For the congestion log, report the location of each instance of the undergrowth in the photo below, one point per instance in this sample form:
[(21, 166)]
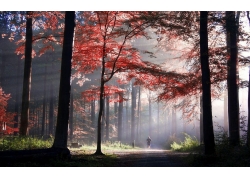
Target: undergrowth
[(24, 143), (189, 144)]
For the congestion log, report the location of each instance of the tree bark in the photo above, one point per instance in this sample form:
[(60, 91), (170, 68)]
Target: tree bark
[(248, 122), (61, 134), (233, 98), (44, 101), (71, 118), (27, 77), (120, 108), (51, 111), (133, 112), (201, 122), (107, 118), (206, 86)]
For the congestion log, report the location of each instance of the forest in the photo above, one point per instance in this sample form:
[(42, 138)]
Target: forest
[(97, 78)]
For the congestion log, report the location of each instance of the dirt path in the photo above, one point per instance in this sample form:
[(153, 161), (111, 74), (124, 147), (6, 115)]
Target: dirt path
[(151, 158)]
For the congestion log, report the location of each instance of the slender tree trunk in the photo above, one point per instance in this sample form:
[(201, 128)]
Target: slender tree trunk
[(226, 112), (158, 120), (93, 113), (103, 120), (107, 118), (133, 112), (201, 122), (27, 77), (173, 121), (248, 122), (51, 111), (98, 150), (61, 134), (116, 113), (139, 115), (120, 108), (233, 98), (206, 86), (17, 97), (44, 101), (71, 117), (127, 121), (150, 115)]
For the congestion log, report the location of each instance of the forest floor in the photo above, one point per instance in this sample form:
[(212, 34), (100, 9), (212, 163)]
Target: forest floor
[(144, 158)]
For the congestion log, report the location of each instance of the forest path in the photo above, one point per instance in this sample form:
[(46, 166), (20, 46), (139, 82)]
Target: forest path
[(151, 158)]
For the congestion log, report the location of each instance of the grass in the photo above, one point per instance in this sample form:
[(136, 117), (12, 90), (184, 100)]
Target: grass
[(24, 143), (189, 144), (81, 157), (225, 155)]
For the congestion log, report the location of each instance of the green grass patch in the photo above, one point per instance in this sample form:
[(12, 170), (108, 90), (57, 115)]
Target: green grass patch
[(24, 143), (189, 144)]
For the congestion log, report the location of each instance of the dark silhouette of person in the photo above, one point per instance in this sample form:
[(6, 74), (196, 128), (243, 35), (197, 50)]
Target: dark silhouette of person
[(148, 142)]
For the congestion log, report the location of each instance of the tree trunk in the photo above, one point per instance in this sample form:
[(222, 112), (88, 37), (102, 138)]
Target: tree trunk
[(133, 112), (173, 121), (120, 108), (226, 112), (158, 120), (233, 98), (201, 121), (206, 86), (51, 111), (44, 101), (93, 113), (248, 122), (61, 134), (139, 114), (107, 118), (150, 115), (71, 118), (103, 120), (17, 97), (27, 77)]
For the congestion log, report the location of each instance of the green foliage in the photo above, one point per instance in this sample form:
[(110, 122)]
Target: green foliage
[(188, 144), (21, 143)]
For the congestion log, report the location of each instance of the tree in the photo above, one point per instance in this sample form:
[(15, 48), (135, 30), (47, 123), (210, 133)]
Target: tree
[(233, 98), (107, 38), (120, 119), (27, 77), (61, 133), (133, 113), (6, 118), (248, 120), (206, 86)]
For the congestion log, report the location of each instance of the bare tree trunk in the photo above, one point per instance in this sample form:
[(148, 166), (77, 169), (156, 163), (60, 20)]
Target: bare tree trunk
[(201, 122), (44, 101), (248, 122), (120, 108), (27, 77), (107, 118), (233, 98), (133, 112), (61, 134), (17, 96), (173, 121), (206, 86), (71, 110), (150, 115), (103, 120), (51, 111), (139, 115), (226, 112)]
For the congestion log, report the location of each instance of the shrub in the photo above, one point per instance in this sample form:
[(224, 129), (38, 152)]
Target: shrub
[(188, 144)]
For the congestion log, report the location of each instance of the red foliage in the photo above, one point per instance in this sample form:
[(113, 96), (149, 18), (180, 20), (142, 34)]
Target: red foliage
[(5, 117), (93, 93)]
